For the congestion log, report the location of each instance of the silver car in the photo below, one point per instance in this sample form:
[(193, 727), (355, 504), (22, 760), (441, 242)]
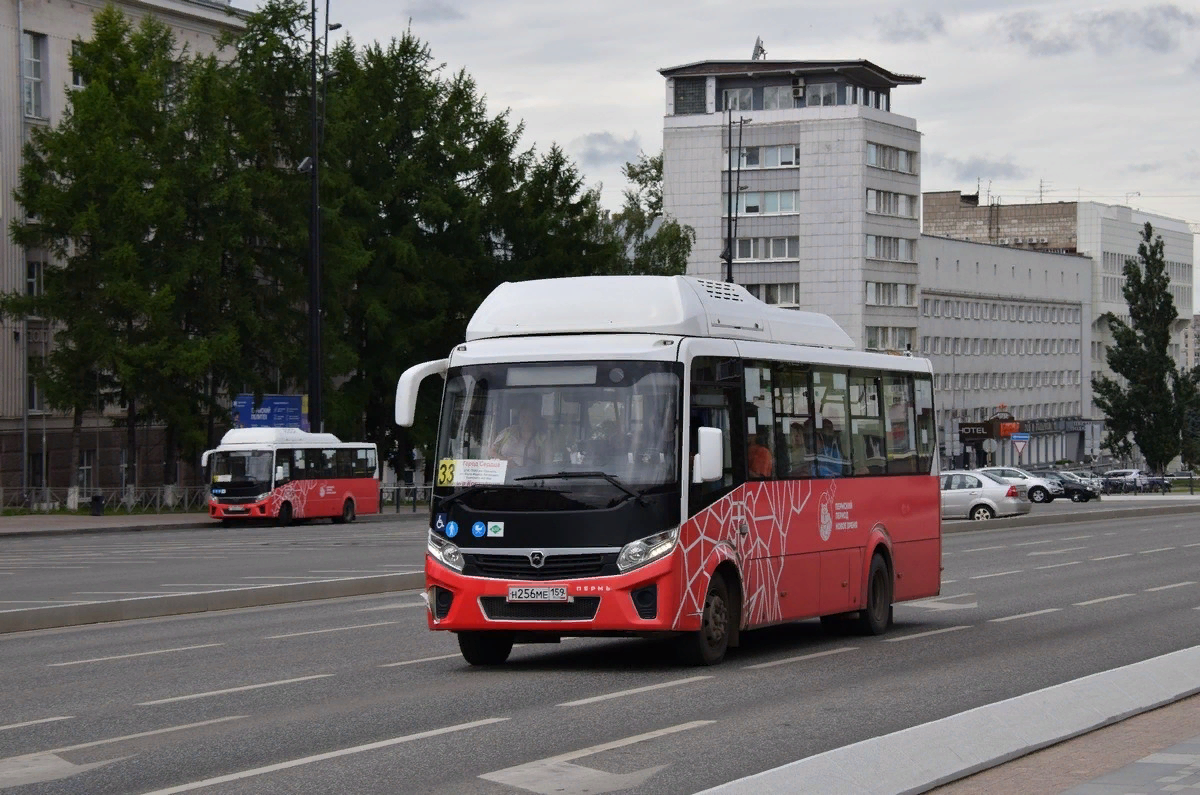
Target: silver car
[(980, 496), (1040, 490)]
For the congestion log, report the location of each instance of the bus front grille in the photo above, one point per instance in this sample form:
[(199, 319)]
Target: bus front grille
[(582, 608), (555, 567)]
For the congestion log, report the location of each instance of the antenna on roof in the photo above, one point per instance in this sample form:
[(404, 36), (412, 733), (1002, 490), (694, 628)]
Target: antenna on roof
[(759, 53)]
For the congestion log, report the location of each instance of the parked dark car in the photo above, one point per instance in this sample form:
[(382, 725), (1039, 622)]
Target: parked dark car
[(1074, 488)]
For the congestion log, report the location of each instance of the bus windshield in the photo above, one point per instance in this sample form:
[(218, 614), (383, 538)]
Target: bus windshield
[(243, 468), (551, 424)]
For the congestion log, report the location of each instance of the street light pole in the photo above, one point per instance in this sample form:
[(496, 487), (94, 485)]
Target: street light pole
[(314, 254)]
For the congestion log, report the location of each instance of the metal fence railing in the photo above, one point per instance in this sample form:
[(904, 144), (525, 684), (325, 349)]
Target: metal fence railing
[(145, 499), (403, 496)]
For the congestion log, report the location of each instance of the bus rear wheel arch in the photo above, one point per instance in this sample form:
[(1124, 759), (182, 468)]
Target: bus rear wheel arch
[(876, 615), (347, 512)]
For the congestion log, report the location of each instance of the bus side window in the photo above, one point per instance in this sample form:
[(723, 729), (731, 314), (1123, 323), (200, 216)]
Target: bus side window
[(716, 403), (283, 467), (372, 463), (299, 469), (760, 422), (866, 425), (328, 464), (345, 463), (926, 432)]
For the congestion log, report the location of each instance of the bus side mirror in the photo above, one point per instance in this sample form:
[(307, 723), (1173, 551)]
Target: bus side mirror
[(409, 383), (708, 463)]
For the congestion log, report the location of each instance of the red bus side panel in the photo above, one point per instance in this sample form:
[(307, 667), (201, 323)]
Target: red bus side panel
[(802, 545)]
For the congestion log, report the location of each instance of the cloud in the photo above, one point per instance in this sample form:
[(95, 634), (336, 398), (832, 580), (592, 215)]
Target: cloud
[(1145, 168), (899, 28), (606, 149), (976, 167), (434, 11), (1155, 29), (1195, 67)]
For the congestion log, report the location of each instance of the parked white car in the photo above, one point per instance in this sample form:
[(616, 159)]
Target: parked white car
[(1040, 490), (980, 496)]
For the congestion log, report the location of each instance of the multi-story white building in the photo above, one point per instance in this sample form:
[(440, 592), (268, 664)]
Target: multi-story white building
[(36, 40), (1008, 332), (827, 186), (1108, 234)]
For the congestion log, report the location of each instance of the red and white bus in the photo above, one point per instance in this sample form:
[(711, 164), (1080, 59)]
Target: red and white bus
[(636, 455), (286, 473)]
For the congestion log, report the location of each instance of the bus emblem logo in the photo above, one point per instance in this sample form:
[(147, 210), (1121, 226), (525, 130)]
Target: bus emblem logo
[(537, 559)]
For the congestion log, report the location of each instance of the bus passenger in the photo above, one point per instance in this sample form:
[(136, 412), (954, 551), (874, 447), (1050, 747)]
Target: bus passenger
[(829, 451), (759, 456), (799, 444)]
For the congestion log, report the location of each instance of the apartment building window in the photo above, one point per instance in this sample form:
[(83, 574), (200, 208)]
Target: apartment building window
[(937, 307), (896, 249), (33, 73), (820, 94), (890, 338), (937, 344), (754, 157), (891, 158), (764, 202), (781, 294), (890, 294), (924, 344), (691, 96), (35, 272), (777, 97), (77, 80), (738, 99), (750, 248), (900, 205), (925, 307)]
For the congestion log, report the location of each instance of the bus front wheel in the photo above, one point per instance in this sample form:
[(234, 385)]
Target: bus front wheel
[(347, 513), (707, 645), (876, 617), (485, 648), (285, 515)]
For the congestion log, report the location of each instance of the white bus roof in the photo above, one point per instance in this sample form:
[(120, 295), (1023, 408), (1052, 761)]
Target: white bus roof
[(270, 436), (676, 305)]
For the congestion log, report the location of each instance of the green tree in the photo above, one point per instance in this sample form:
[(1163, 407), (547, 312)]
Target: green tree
[(1150, 397), (655, 244)]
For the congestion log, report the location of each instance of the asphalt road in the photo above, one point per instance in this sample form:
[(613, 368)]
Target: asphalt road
[(310, 698), (65, 569)]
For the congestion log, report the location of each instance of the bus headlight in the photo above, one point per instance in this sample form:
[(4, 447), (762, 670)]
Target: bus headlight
[(445, 552), (646, 550), (262, 496)]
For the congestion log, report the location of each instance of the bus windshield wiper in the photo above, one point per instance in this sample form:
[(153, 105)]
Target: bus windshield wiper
[(566, 475)]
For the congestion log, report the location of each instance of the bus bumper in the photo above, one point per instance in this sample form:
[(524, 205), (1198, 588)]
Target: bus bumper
[(252, 510), (646, 599)]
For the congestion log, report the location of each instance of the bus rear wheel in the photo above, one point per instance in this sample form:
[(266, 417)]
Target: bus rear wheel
[(347, 513), (285, 515), (876, 617), (485, 648), (707, 645)]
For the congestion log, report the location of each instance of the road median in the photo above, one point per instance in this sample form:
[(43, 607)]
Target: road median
[(1037, 520), (71, 615)]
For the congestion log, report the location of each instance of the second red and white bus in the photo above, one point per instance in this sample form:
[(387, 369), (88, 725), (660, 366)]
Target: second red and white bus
[(285, 474), (645, 455)]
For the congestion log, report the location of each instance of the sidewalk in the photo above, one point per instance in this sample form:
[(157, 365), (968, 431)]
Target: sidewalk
[(65, 524), (1157, 751)]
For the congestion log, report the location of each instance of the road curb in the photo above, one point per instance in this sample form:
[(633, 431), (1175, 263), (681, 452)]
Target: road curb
[(203, 601), (208, 524), (1033, 520), (961, 745)]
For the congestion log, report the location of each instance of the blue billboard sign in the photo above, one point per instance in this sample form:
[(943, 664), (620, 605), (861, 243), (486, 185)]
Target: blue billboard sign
[(275, 411)]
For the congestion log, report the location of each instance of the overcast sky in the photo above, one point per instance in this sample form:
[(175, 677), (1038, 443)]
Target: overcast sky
[(1083, 99)]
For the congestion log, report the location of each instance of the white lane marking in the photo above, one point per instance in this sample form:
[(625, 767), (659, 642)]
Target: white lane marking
[(290, 577), (1074, 538), (207, 585), (1114, 557), (119, 593), (1152, 551), (400, 606), (984, 549), (136, 654), (334, 629), (1191, 545), (633, 691), (1110, 534), (926, 634), (1055, 551), (1168, 587), (167, 730), (351, 571), (1102, 599), (609, 746), (422, 660), (241, 689), (35, 722), (939, 603), (1025, 615), (1059, 565), (801, 657), (357, 749), (1036, 543), (997, 574)]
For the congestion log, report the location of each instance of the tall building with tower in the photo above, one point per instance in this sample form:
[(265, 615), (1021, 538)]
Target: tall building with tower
[(825, 179)]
